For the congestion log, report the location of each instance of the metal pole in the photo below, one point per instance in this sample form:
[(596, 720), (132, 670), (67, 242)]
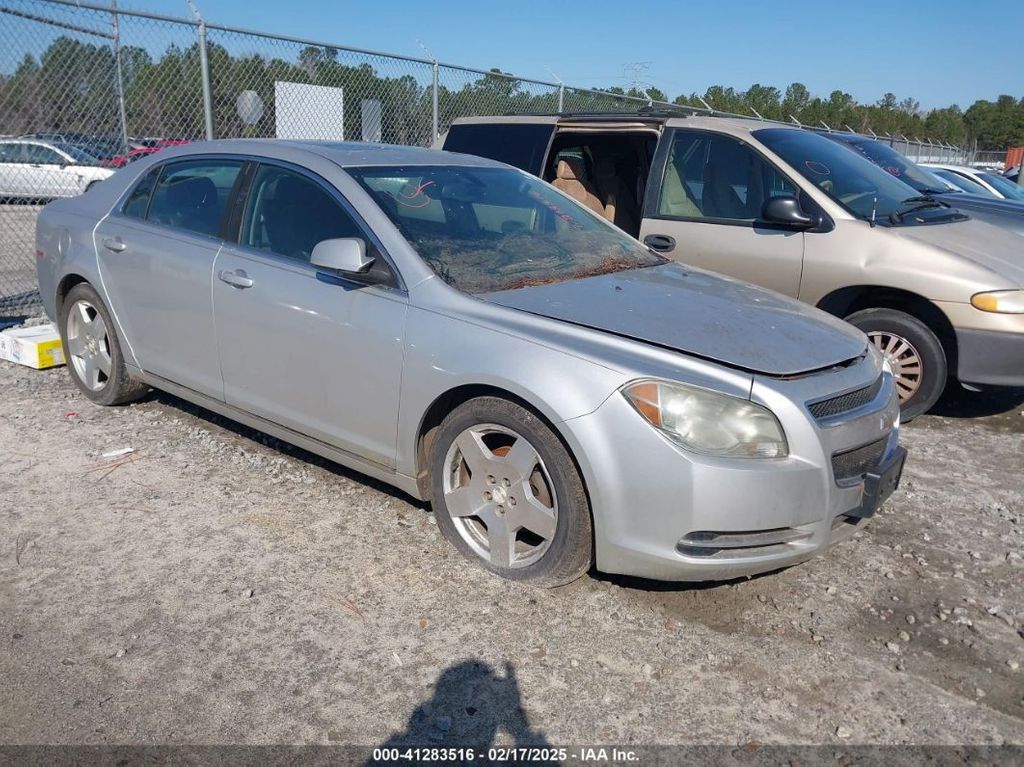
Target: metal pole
[(120, 80), (204, 67), (436, 116), (561, 98)]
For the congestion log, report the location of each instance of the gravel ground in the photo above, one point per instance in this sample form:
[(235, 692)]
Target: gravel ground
[(216, 586)]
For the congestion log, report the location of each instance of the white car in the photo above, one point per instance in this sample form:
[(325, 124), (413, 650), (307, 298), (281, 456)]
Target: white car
[(992, 182), (32, 169)]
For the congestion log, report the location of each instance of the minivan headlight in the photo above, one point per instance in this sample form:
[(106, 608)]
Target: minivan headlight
[(708, 422), (1001, 301)]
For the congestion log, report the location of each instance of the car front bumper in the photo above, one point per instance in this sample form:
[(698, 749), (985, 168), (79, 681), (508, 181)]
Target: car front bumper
[(990, 358), (666, 513)]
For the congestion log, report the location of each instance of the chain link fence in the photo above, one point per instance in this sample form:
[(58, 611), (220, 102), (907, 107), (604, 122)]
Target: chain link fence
[(119, 84)]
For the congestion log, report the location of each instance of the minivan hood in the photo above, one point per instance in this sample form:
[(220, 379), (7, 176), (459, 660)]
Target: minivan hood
[(994, 247), (699, 313)]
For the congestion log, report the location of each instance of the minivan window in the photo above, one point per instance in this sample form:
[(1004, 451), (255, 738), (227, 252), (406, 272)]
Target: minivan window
[(858, 185), (137, 202), (192, 194), (710, 176), (518, 144), (491, 229), (288, 213)]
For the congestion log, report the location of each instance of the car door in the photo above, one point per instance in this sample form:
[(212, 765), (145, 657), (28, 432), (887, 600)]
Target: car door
[(10, 169), (48, 174), (156, 255), (309, 350), (703, 207)]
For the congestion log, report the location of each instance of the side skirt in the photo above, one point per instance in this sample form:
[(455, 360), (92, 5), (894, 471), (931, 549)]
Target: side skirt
[(378, 471)]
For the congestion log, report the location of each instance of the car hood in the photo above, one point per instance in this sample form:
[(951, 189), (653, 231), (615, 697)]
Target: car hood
[(699, 313), (975, 202), (994, 247)]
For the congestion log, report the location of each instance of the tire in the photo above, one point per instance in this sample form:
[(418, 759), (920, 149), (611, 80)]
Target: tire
[(530, 524), (915, 353), (93, 351)]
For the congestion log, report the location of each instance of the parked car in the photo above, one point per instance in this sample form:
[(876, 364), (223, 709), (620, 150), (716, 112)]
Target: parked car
[(985, 207), (141, 148), (963, 183), (940, 294), (1000, 186), (459, 329), (32, 169)]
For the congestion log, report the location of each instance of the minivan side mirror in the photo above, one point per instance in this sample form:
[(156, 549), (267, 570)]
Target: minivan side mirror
[(786, 210), (344, 254)]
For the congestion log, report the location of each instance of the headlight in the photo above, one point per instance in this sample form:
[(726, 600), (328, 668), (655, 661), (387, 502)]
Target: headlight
[(1001, 301), (708, 422)]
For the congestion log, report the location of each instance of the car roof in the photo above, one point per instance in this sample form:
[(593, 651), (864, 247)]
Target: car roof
[(347, 154), (654, 117)]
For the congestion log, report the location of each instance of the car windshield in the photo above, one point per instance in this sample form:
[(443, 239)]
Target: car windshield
[(77, 154), (489, 229), (892, 162), (962, 182), (1004, 186), (861, 187)]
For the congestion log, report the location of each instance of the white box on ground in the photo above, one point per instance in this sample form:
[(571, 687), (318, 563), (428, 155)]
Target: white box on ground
[(303, 111), (36, 347)]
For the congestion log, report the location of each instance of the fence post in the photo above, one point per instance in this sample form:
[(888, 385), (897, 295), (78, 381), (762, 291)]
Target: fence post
[(116, 28), (204, 66), (561, 97), (435, 116)]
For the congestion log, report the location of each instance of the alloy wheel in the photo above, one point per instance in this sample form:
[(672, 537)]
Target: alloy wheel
[(89, 345), (500, 496), (904, 360)]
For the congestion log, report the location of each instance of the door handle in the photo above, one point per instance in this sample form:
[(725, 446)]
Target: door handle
[(115, 244), (236, 279), (660, 242)]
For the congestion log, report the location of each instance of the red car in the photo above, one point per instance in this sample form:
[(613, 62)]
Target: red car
[(119, 161)]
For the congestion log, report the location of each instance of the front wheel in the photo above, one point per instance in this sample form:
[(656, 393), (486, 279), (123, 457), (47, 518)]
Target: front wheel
[(507, 494), (92, 350), (913, 351)]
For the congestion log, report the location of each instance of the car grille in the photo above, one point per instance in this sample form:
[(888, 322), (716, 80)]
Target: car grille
[(855, 463), (827, 408)]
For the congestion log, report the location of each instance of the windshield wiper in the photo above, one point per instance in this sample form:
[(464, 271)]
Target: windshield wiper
[(922, 201)]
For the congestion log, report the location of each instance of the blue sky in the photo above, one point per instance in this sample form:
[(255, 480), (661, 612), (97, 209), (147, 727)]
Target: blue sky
[(939, 52)]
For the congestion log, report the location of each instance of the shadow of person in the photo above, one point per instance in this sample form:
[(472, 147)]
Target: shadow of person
[(469, 707)]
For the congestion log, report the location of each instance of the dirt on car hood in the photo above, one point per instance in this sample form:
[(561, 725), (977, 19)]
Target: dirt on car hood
[(699, 313)]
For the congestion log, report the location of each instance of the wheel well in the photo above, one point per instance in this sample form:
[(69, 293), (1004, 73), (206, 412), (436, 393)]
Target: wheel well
[(69, 281), (845, 301), (450, 400)]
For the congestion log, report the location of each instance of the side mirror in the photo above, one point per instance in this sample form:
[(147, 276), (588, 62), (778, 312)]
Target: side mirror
[(345, 254), (786, 210)]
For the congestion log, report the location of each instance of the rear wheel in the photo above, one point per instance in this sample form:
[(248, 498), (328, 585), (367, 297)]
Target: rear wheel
[(507, 494), (913, 351), (92, 350)]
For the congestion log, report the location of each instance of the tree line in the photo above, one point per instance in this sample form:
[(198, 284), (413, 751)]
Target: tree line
[(72, 86)]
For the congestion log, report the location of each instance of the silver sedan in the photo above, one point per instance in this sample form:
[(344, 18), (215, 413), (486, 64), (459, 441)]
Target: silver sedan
[(563, 396)]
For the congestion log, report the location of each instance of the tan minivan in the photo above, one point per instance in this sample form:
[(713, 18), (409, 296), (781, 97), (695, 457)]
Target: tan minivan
[(939, 293)]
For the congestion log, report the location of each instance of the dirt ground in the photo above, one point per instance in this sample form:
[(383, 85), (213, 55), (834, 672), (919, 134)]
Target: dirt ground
[(216, 586)]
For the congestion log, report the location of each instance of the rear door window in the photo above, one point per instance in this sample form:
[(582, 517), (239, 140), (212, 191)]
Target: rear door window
[(37, 154), (137, 202), (522, 145), (192, 195)]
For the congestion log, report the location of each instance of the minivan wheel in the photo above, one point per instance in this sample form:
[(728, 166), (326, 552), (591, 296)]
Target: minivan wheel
[(92, 351), (507, 494), (914, 352)]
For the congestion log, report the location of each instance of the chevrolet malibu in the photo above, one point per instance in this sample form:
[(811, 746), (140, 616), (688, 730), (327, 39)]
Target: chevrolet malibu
[(563, 396)]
